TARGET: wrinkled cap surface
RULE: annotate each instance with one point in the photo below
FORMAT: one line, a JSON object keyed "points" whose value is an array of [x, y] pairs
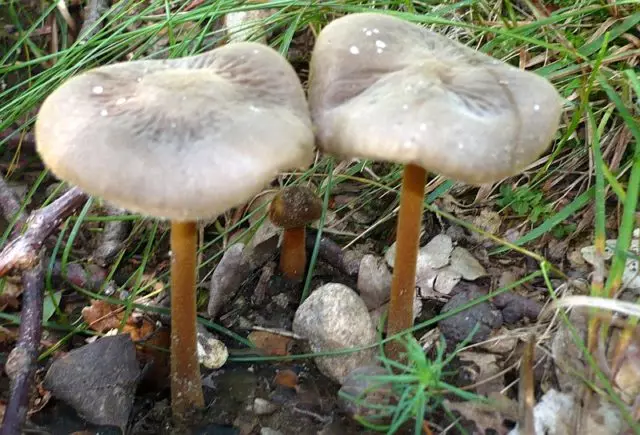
{"points": [[183, 138], [383, 88], [295, 207]]}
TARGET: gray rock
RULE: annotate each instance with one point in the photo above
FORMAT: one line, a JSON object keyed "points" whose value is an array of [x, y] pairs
{"points": [[263, 407], [466, 264], [98, 380], [334, 318], [374, 281], [227, 278], [446, 280], [436, 253]]}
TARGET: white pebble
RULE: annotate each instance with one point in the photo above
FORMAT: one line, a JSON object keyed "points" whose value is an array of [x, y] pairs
{"points": [[98, 89], [354, 50]]}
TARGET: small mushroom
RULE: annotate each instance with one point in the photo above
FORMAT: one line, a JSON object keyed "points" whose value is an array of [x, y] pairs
{"points": [[293, 208], [383, 88], [182, 139]]}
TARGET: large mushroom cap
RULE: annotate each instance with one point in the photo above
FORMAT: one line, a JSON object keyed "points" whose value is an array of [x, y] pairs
{"points": [[184, 138], [386, 89]]}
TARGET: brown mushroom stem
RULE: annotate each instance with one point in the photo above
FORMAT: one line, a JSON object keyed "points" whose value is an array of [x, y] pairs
{"points": [[293, 258], [407, 244], [186, 386]]}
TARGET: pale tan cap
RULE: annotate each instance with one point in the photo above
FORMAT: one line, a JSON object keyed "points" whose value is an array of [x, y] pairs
{"points": [[183, 139], [386, 89]]}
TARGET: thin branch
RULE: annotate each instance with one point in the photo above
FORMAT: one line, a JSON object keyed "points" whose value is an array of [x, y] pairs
{"points": [[22, 253], [21, 363], [94, 10]]}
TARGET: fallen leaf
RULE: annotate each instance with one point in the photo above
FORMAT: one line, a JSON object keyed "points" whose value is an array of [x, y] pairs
{"points": [[102, 316], [271, 344], [484, 371], [154, 352], [488, 419], [9, 294]]}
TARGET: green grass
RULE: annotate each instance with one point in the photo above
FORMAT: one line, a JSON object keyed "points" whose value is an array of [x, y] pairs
{"points": [[591, 172]]}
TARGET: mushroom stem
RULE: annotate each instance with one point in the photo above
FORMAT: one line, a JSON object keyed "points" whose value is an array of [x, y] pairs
{"points": [[407, 244], [186, 386], [293, 255]]}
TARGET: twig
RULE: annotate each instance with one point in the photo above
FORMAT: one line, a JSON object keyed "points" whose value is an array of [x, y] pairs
{"points": [[22, 253], [113, 236], [92, 14], [10, 206], [20, 365], [276, 331]]}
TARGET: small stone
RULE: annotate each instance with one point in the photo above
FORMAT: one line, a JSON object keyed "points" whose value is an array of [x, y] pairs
{"points": [[281, 300], [263, 407], [212, 353], [374, 281], [466, 264], [333, 318], [446, 280], [269, 431], [433, 255], [352, 259]]}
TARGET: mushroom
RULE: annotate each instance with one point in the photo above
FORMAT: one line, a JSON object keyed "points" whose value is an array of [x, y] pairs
{"points": [[292, 209], [181, 139], [383, 88]]}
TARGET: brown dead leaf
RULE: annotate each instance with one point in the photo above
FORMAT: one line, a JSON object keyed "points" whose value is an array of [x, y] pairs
{"points": [[9, 295], [483, 371], [488, 419], [7, 336], [102, 317], [154, 352], [271, 344], [286, 378]]}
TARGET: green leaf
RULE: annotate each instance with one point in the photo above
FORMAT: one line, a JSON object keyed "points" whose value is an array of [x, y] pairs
{"points": [[51, 302]]}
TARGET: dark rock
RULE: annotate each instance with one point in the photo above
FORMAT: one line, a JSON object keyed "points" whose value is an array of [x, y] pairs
{"points": [[459, 327], [98, 380]]}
